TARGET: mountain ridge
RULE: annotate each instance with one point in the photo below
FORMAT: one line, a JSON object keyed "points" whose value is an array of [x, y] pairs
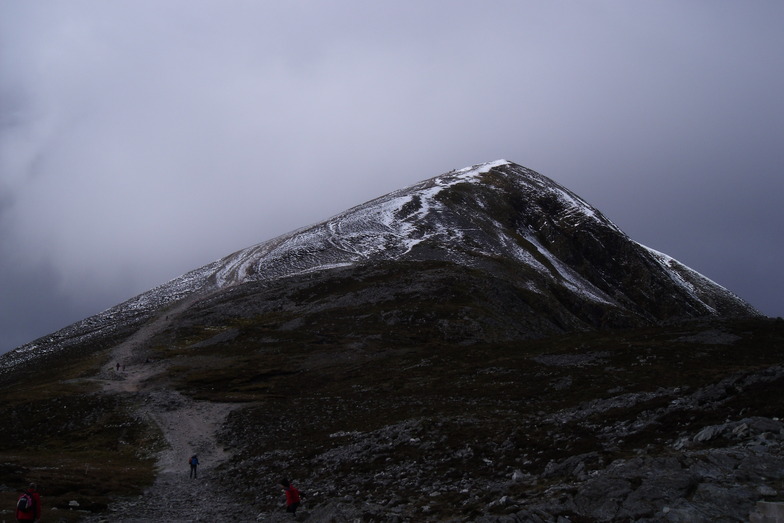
{"points": [[479, 216], [394, 225]]}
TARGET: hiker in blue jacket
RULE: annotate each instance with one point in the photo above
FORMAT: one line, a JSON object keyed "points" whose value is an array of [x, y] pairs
{"points": [[194, 462]]}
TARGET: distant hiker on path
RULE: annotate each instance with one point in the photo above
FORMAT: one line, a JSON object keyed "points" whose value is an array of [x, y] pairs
{"points": [[28, 506], [118, 367], [194, 462], [292, 496]]}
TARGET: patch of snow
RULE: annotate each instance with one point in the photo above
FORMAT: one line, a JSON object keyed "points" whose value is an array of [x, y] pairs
{"points": [[569, 278]]}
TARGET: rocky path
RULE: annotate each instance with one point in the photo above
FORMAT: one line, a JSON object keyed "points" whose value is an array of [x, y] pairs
{"points": [[188, 426]]}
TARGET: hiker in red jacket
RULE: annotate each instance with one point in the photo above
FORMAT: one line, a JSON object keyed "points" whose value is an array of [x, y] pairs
{"points": [[28, 506], [292, 496]]}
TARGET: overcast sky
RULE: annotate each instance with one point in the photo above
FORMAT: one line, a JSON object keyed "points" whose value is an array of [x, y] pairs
{"points": [[142, 139]]}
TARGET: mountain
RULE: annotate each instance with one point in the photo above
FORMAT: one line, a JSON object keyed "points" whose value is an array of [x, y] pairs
{"points": [[539, 258], [481, 346]]}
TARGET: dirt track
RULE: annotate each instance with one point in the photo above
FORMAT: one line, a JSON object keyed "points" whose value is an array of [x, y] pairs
{"points": [[188, 426]]}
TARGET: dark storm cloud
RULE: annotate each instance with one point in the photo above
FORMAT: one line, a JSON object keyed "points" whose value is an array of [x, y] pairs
{"points": [[139, 140]]}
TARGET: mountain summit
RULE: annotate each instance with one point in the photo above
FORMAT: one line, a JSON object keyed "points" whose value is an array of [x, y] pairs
{"points": [[501, 217], [535, 258]]}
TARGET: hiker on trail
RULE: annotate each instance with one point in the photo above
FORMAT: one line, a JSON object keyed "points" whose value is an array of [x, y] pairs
{"points": [[194, 462], [118, 367], [28, 506], [292, 496]]}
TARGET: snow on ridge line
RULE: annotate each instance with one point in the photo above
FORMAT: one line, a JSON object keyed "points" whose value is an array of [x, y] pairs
{"points": [[675, 268], [572, 200], [670, 263], [480, 168], [466, 173]]}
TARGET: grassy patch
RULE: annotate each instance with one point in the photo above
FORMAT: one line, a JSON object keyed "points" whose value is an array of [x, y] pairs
{"points": [[75, 443]]}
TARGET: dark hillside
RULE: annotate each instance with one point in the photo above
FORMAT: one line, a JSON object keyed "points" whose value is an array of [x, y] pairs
{"points": [[423, 427], [413, 301], [398, 419], [384, 383], [443, 431], [59, 431]]}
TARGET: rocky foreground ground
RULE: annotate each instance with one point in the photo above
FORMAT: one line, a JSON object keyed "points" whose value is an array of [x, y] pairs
{"points": [[717, 473], [681, 424]]}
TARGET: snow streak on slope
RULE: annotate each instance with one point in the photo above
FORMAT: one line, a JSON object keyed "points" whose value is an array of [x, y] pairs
{"points": [[689, 279]]}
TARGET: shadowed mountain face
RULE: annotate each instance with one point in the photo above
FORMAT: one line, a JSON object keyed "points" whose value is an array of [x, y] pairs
{"points": [[480, 345], [502, 251]]}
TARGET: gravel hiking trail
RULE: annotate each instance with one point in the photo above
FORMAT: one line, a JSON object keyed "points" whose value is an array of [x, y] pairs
{"points": [[188, 426]]}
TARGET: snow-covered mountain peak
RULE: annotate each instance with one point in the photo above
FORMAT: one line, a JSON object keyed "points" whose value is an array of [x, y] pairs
{"points": [[391, 226], [569, 263], [493, 210], [469, 173]]}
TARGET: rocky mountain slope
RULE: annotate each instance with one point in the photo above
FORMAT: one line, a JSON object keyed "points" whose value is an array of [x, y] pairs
{"points": [[562, 264], [482, 346]]}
